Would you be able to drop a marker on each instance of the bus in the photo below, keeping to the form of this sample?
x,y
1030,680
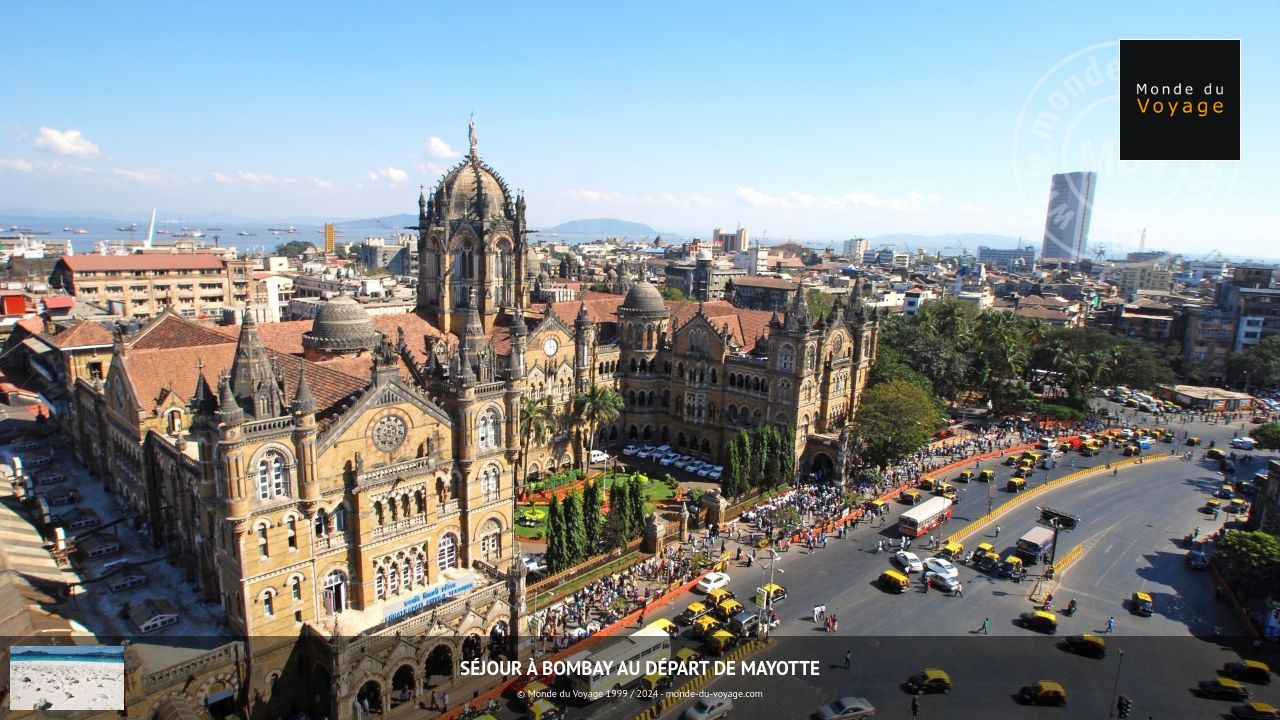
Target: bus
x,y
924,517
645,644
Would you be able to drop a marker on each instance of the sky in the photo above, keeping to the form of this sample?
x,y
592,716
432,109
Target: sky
x,y
807,121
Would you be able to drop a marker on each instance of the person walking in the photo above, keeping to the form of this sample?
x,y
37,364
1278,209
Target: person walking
x,y
986,626
848,658
1111,625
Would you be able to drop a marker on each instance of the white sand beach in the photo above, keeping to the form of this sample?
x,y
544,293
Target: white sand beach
x,y
66,685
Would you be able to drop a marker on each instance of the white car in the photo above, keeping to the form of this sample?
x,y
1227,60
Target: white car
x,y
713,581
941,566
846,708
909,561
630,450
709,708
1243,443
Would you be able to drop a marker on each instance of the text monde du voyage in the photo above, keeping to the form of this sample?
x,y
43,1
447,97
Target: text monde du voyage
x,y
1179,100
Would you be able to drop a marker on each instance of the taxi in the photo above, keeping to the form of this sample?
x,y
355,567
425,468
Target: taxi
x,y
545,710
1045,692
1192,441
695,611
728,609
929,680
987,475
1221,688
1039,621
964,476
717,596
666,626
771,593
912,497
1142,604
703,626
1015,484
1254,671
1011,566
1086,644
952,550
720,642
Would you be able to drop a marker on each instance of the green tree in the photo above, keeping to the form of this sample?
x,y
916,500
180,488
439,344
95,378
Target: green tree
x,y
1267,435
673,293
575,529
557,559
537,423
787,457
598,405
635,508
617,530
1250,561
592,520
293,248
895,419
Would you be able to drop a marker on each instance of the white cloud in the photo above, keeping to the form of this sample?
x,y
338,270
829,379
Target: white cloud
x,y
16,164
224,179
65,142
136,174
322,184
796,200
390,175
438,148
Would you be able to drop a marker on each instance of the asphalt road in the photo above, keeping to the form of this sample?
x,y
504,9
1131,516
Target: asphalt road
x,y
1131,528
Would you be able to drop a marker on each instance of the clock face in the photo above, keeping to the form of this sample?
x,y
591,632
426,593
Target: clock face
x,y
550,346
389,432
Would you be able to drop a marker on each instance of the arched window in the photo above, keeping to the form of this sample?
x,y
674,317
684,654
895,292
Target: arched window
x,y
291,531
273,481
269,603
491,540
786,358
489,429
447,554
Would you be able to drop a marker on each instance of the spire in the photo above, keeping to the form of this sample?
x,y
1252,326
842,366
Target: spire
x,y
304,403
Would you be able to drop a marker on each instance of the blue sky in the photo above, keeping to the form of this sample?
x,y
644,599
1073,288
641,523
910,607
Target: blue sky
x,y
805,121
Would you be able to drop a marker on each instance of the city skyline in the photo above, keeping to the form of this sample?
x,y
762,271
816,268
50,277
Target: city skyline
x,y
840,122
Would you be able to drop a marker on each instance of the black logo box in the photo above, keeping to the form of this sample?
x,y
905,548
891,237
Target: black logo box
x,y
1154,124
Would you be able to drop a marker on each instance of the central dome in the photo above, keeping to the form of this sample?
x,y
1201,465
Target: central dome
x,y
341,326
644,297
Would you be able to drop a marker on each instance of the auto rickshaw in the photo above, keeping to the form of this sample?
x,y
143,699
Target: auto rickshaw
x,y
1212,506
1015,485
770,594
717,596
655,683
952,550
1238,507
703,626
1012,567
720,642
728,609
1087,644
987,475
912,497
1193,441
695,611
964,476
1142,604
926,484
666,626
544,710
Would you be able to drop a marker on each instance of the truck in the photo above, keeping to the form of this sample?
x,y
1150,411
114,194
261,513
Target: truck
x,y
1035,544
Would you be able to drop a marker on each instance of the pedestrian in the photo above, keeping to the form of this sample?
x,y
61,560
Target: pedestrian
x,y
1111,624
986,626
848,658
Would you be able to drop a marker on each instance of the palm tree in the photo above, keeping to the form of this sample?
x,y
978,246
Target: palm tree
x,y
597,405
537,423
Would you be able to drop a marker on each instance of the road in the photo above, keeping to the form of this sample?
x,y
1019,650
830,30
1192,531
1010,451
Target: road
x,y
1131,528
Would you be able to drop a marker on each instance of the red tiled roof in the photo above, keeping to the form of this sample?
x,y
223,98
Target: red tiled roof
x,y
150,261
83,334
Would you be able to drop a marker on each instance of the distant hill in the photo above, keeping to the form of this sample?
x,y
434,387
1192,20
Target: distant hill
x,y
602,226
970,241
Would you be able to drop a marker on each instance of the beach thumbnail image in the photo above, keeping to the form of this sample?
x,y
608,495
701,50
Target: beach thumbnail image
x,y
57,677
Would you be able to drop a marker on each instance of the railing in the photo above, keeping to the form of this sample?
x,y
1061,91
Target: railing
x,y
408,467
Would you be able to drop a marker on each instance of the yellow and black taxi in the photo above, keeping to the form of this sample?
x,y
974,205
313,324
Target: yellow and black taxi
x,y
1086,644
1252,671
717,596
894,581
703,626
1016,483
1221,688
987,475
695,611
1142,604
1255,711
964,476
1044,692
1041,621
728,609
911,497
929,680
720,642
1193,441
